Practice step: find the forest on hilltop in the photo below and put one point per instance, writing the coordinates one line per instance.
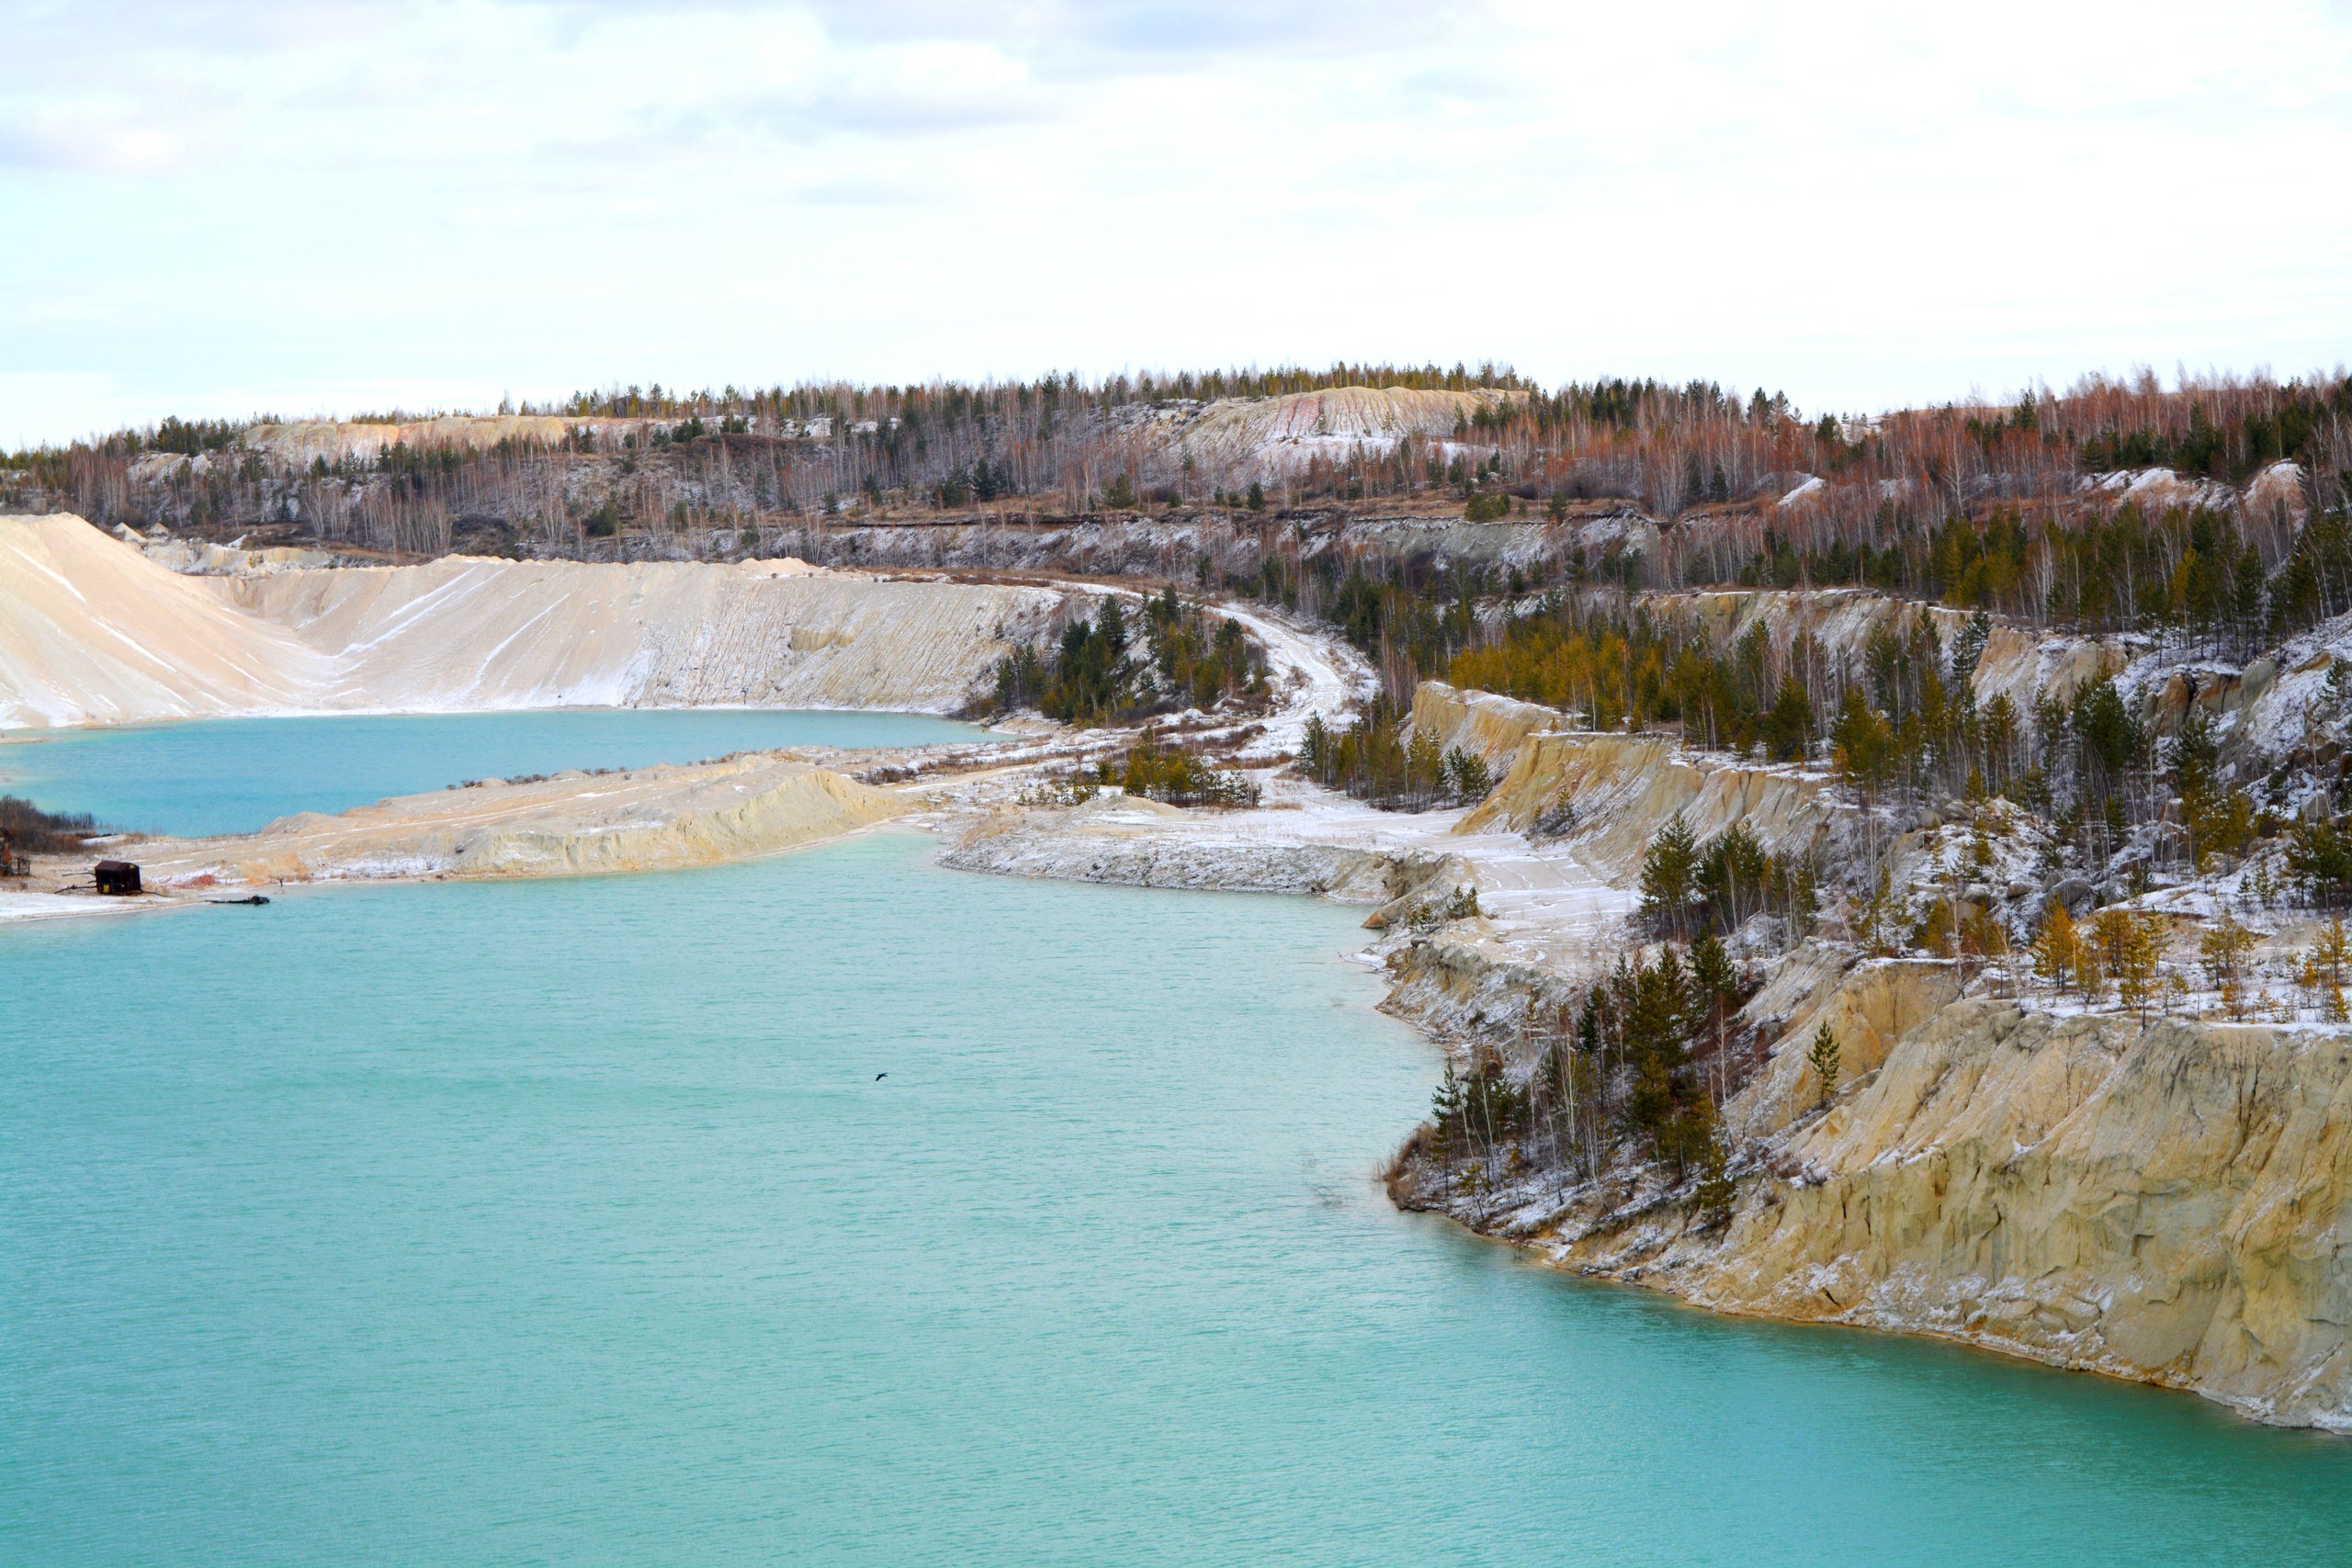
(677, 470)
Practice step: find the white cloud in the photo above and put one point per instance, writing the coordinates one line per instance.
(1863, 204)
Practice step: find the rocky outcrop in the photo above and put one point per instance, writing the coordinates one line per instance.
(1463, 986)
(1623, 788)
(2168, 1201)
(2019, 662)
(2025, 665)
(2164, 1200)
(1868, 1007)
(1486, 726)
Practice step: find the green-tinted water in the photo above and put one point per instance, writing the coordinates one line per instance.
(565, 1221)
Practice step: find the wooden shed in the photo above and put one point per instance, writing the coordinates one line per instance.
(116, 877)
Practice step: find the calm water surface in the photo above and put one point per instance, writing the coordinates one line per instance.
(233, 775)
(565, 1223)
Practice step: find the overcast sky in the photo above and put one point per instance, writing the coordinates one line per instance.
(218, 208)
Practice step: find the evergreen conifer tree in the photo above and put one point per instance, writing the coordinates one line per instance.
(1823, 1059)
(1315, 750)
(1716, 1190)
(1669, 876)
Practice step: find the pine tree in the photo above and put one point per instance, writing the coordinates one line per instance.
(1424, 766)
(1823, 1059)
(1589, 1023)
(1712, 973)
(1468, 776)
(1669, 876)
(1315, 750)
(2329, 956)
(1789, 726)
(1862, 744)
(1657, 1024)
(1445, 1109)
(2196, 776)
(1968, 648)
(1716, 1190)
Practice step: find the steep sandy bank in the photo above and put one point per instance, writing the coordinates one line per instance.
(1623, 788)
(2169, 1202)
(574, 824)
(470, 633)
(91, 631)
(1488, 727)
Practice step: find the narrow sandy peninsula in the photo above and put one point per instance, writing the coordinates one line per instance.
(664, 818)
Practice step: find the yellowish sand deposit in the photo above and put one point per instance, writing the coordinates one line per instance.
(573, 824)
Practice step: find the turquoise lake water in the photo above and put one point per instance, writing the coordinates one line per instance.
(236, 775)
(565, 1223)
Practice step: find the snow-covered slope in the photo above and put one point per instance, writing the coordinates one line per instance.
(1275, 434)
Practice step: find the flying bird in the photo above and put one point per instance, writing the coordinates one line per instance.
(879, 1076)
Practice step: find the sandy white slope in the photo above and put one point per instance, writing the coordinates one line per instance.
(91, 631)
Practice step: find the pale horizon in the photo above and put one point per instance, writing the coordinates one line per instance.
(307, 208)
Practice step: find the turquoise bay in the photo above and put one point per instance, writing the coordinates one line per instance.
(566, 1222)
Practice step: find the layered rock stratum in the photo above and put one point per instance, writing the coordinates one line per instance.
(2164, 1200)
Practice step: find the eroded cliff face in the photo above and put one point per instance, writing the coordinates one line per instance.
(2170, 1202)
(2018, 662)
(1488, 727)
(2162, 1200)
(1623, 789)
